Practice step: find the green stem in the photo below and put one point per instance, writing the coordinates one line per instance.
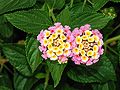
(8, 69)
(90, 2)
(113, 30)
(1, 67)
(112, 39)
(84, 4)
(71, 3)
(112, 50)
(46, 78)
(52, 15)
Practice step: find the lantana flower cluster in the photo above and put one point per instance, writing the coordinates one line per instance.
(83, 45)
(88, 45)
(55, 43)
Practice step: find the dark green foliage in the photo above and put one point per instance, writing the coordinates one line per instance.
(21, 64)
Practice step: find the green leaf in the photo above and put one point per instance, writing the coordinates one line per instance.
(67, 87)
(97, 20)
(119, 50)
(115, 1)
(33, 53)
(41, 87)
(77, 10)
(64, 17)
(5, 80)
(10, 5)
(105, 86)
(23, 83)
(55, 4)
(98, 4)
(56, 71)
(4, 88)
(6, 29)
(16, 56)
(40, 75)
(100, 72)
(113, 58)
(30, 21)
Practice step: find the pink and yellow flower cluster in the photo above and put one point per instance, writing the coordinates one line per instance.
(88, 45)
(55, 43)
(83, 45)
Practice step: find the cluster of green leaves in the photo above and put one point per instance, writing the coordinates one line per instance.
(30, 70)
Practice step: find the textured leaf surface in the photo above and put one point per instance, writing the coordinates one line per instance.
(100, 72)
(119, 50)
(105, 86)
(9, 5)
(55, 4)
(77, 10)
(56, 71)
(41, 87)
(16, 56)
(115, 0)
(97, 20)
(97, 4)
(30, 21)
(5, 81)
(4, 88)
(6, 29)
(64, 17)
(67, 87)
(22, 82)
(33, 53)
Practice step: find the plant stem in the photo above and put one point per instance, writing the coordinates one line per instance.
(90, 2)
(52, 15)
(112, 50)
(71, 3)
(84, 4)
(1, 68)
(8, 69)
(46, 78)
(112, 39)
(113, 31)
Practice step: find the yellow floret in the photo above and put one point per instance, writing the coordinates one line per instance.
(54, 57)
(84, 37)
(50, 53)
(76, 50)
(82, 52)
(45, 42)
(84, 58)
(66, 52)
(78, 39)
(50, 40)
(95, 48)
(61, 47)
(81, 46)
(63, 37)
(50, 47)
(55, 49)
(60, 52)
(47, 33)
(59, 31)
(95, 55)
(99, 43)
(96, 38)
(88, 33)
(61, 41)
(67, 45)
(90, 53)
(90, 39)
(54, 36)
